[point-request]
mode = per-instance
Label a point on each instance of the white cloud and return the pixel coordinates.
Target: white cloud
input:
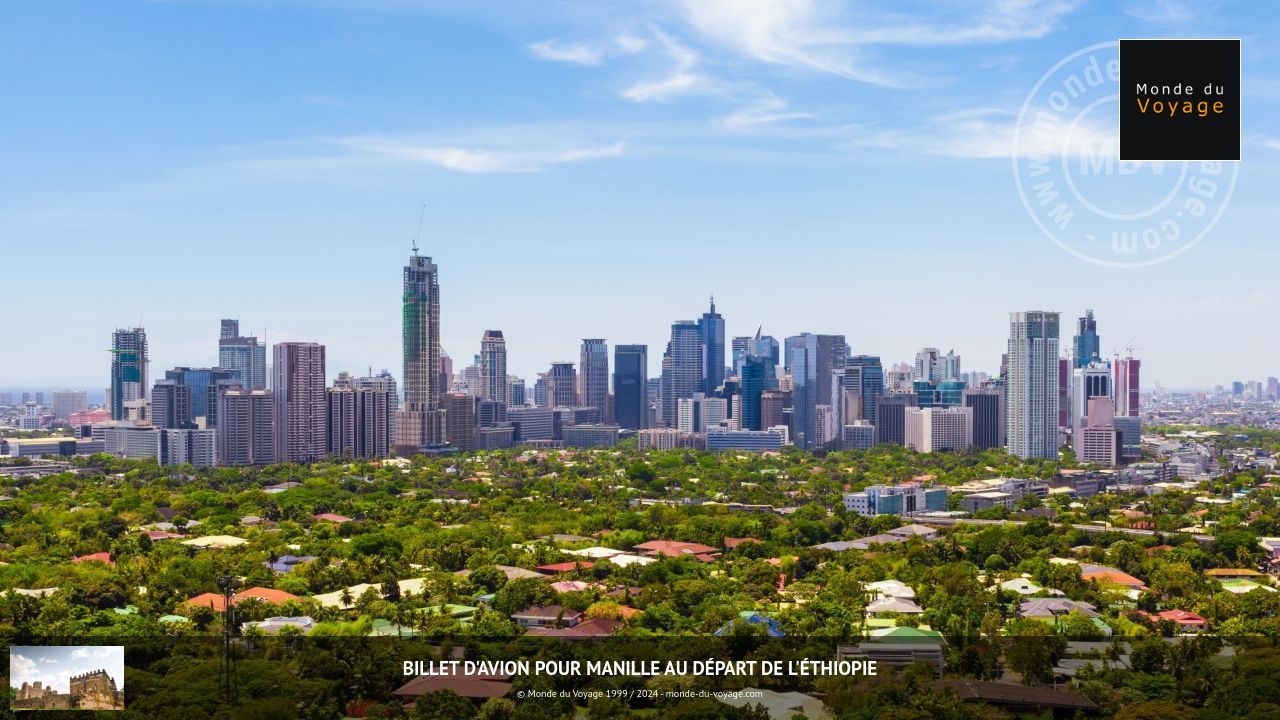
(767, 111)
(587, 53)
(988, 133)
(470, 160)
(682, 79)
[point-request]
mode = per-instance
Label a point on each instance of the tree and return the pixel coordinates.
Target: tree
(443, 705)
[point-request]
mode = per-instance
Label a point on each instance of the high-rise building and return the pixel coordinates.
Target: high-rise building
(516, 392)
(774, 407)
(128, 369)
(711, 338)
(1087, 382)
(298, 378)
(630, 386)
(938, 429)
(246, 427)
(868, 376)
(562, 382)
(340, 418)
(681, 368)
(753, 382)
(1128, 386)
(493, 367)
(243, 355)
(928, 368)
(1032, 386)
(171, 405)
(1065, 367)
(460, 421)
(593, 375)
(811, 359)
(891, 418)
(1086, 347)
(1096, 440)
(202, 382)
(949, 366)
(988, 406)
(361, 415)
(417, 423)
(187, 446)
(68, 402)
(739, 348)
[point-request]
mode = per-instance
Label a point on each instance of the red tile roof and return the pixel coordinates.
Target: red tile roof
(270, 595)
(672, 548)
(210, 600)
(733, 542)
(102, 557)
(331, 517)
(1114, 577)
(564, 567)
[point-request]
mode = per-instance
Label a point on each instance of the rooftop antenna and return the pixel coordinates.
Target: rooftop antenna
(418, 234)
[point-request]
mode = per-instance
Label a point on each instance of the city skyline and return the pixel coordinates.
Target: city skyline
(655, 157)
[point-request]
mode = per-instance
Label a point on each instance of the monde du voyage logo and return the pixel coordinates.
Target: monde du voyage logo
(1124, 151)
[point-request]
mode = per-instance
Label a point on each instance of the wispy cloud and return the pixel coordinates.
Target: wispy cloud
(986, 133)
(587, 52)
(478, 160)
(681, 79)
(1164, 12)
(768, 110)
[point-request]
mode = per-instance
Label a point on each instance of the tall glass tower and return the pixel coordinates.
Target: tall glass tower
(1087, 342)
(418, 423)
(128, 369)
(1032, 385)
(711, 338)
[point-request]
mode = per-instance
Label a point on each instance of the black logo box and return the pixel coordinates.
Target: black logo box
(1187, 68)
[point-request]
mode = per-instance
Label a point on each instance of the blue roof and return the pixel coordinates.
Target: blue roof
(772, 628)
(285, 563)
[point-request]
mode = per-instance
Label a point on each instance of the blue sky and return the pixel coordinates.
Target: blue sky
(54, 665)
(589, 170)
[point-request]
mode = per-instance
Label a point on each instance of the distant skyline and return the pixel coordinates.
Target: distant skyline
(590, 170)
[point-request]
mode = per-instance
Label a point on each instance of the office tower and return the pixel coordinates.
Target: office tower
(1237, 388)
(298, 389)
(765, 346)
(1097, 440)
(171, 405)
(1128, 386)
(445, 380)
(40, 399)
(891, 418)
(681, 368)
(384, 381)
(711, 338)
(493, 367)
(6, 399)
(593, 376)
(340, 418)
(460, 421)
(516, 396)
(1273, 390)
(949, 366)
(1129, 430)
(540, 391)
(938, 429)
(860, 435)
(532, 423)
(246, 427)
(1087, 382)
(631, 386)
(67, 402)
(689, 413)
(988, 406)
(928, 368)
(243, 355)
(810, 359)
(1065, 368)
(754, 377)
(128, 369)
(870, 382)
(202, 382)
(1032, 386)
(418, 424)
(739, 349)
(1086, 346)
(562, 382)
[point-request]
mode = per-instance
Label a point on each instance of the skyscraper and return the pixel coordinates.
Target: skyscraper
(300, 409)
(871, 376)
(1128, 386)
(711, 338)
(1088, 382)
(417, 423)
(753, 381)
(562, 382)
(1032, 386)
(811, 359)
(128, 369)
(681, 368)
(460, 421)
(493, 367)
(242, 355)
(630, 386)
(988, 406)
(891, 418)
(928, 368)
(171, 405)
(203, 383)
(245, 434)
(1086, 347)
(593, 374)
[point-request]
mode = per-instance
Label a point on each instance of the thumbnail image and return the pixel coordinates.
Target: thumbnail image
(66, 677)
